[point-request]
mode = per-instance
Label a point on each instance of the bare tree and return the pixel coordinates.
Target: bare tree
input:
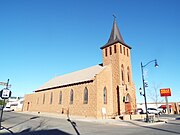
(154, 94)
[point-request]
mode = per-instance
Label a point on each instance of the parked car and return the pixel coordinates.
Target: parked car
(160, 110)
(8, 109)
(140, 111)
(153, 111)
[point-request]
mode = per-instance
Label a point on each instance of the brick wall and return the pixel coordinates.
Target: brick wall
(78, 107)
(116, 59)
(110, 77)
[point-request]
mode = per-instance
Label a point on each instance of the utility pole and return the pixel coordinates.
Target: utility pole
(5, 94)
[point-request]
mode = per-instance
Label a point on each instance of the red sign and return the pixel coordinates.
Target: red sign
(164, 106)
(165, 92)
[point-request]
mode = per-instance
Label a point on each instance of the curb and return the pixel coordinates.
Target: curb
(100, 121)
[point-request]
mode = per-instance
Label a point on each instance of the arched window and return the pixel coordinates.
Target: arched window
(127, 98)
(128, 74)
(120, 48)
(51, 98)
(110, 50)
(43, 98)
(71, 96)
(124, 49)
(60, 97)
(128, 52)
(85, 95)
(114, 48)
(106, 52)
(105, 95)
(122, 72)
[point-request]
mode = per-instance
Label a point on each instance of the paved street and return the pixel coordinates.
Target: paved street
(38, 124)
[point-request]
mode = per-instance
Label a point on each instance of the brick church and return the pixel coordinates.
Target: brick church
(103, 89)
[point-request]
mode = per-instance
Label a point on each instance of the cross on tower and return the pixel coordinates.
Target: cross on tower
(114, 16)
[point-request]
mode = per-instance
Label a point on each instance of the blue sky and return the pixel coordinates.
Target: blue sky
(40, 39)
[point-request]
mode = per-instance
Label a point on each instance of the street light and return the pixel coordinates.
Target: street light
(144, 85)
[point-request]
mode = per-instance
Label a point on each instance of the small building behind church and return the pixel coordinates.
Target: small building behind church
(105, 89)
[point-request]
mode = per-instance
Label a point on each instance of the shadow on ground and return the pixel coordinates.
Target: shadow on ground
(35, 117)
(35, 131)
(156, 128)
(40, 132)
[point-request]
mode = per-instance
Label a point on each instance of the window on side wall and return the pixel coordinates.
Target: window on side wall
(128, 74)
(71, 96)
(51, 98)
(44, 98)
(85, 95)
(122, 73)
(105, 95)
(60, 97)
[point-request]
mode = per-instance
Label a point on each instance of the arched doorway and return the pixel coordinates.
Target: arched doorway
(127, 104)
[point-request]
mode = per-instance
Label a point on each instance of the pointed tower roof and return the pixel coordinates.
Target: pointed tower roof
(115, 36)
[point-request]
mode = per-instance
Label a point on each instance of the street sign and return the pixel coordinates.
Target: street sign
(145, 83)
(5, 93)
(5, 84)
(165, 92)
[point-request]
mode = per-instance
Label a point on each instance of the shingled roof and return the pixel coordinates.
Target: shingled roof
(115, 36)
(80, 76)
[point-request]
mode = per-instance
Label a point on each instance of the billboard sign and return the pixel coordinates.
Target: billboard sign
(165, 92)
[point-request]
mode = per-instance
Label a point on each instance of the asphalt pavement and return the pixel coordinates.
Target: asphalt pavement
(54, 124)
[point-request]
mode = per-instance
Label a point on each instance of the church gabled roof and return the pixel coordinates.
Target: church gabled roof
(76, 77)
(115, 36)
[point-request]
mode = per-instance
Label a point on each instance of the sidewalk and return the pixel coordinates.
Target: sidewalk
(100, 121)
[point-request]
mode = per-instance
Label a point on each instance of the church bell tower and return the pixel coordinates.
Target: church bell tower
(116, 53)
